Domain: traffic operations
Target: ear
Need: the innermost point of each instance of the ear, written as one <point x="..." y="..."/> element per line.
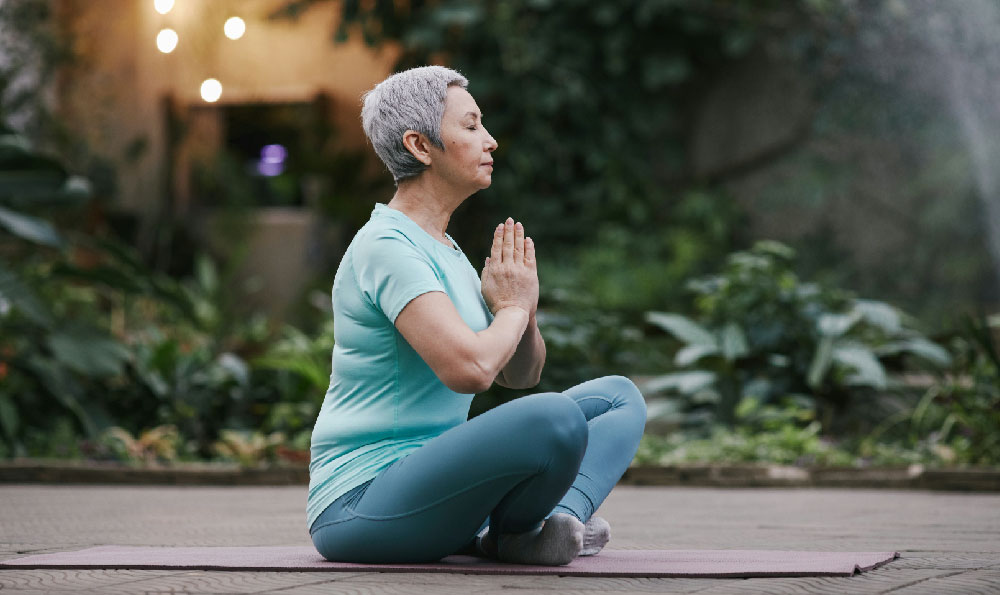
<point x="418" y="145"/>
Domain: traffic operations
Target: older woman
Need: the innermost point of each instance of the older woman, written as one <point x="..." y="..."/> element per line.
<point x="398" y="473"/>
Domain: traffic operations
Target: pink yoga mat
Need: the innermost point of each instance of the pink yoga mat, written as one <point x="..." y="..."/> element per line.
<point x="609" y="563"/>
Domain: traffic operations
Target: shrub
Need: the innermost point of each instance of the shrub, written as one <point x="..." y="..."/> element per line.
<point x="958" y="417"/>
<point x="759" y="332"/>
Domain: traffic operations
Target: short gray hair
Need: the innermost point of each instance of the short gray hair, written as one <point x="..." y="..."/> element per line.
<point x="409" y="100"/>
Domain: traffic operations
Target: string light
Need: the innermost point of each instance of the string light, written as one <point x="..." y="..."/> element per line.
<point x="234" y="28"/>
<point x="163" y="6"/>
<point x="166" y="40"/>
<point x="211" y="90"/>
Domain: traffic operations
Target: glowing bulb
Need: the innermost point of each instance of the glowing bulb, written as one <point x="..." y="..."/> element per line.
<point x="234" y="28"/>
<point x="163" y="6"/>
<point x="211" y="90"/>
<point x="166" y="40"/>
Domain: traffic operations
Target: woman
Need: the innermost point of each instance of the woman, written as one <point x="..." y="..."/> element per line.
<point x="398" y="474"/>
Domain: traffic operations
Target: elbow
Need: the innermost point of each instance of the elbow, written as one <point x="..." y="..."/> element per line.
<point x="470" y="377"/>
<point x="530" y="378"/>
<point x="523" y="383"/>
<point x="479" y="378"/>
<point x="470" y="382"/>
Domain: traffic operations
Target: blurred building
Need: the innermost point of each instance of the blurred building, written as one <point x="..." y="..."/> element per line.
<point x="202" y="104"/>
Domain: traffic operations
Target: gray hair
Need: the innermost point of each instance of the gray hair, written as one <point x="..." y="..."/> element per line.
<point x="408" y="100"/>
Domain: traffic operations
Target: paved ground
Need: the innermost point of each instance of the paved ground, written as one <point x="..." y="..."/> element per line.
<point x="950" y="542"/>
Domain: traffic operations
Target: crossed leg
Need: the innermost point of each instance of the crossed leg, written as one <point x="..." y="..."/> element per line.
<point x="510" y="467"/>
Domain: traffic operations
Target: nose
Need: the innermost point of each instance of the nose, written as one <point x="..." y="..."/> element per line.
<point x="491" y="143"/>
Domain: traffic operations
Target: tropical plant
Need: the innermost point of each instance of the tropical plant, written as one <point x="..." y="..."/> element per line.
<point x="81" y="320"/>
<point x="783" y="433"/>
<point x="47" y="352"/>
<point x="307" y="357"/>
<point x="191" y="385"/>
<point x="958" y="416"/>
<point x="248" y="448"/>
<point x="760" y="332"/>
<point x="297" y="366"/>
<point x="153" y="445"/>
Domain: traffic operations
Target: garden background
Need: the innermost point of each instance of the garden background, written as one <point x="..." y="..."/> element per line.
<point x="780" y="218"/>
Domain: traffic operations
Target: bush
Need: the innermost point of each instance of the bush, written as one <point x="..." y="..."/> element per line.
<point x="759" y="332"/>
<point x="958" y="417"/>
<point x="786" y="433"/>
<point x="93" y="340"/>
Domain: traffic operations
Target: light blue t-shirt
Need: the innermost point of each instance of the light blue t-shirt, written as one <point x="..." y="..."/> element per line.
<point x="384" y="401"/>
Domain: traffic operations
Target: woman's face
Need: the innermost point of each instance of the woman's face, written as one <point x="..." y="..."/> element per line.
<point x="467" y="158"/>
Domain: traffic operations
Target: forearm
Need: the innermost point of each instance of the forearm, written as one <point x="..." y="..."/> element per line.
<point x="498" y="342"/>
<point x="524" y="369"/>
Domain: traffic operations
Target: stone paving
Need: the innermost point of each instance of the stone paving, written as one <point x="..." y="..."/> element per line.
<point x="949" y="542"/>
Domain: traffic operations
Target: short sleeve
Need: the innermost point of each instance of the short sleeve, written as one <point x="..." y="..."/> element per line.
<point x="391" y="272"/>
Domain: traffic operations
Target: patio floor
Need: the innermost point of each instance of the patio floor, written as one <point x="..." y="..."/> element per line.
<point x="949" y="542"/>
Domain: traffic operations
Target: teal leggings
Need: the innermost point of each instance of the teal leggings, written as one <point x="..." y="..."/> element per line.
<point x="508" y="468"/>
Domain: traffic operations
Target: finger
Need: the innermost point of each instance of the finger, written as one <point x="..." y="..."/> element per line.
<point x="529" y="252"/>
<point x="508" y="240"/>
<point x="497" y="243"/>
<point x="518" y="243"/>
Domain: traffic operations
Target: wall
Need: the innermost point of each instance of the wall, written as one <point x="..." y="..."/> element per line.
<point x="114" y="99"/>
<point x="112" y="96"/>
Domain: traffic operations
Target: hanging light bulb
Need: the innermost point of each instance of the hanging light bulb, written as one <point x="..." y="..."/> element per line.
<point x="166" y="40"/>
<point x="234" y="28"/>
<point x="163" y="6"/>
<point x="211" y="90"/>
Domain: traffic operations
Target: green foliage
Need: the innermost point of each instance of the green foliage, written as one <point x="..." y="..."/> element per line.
<point x="785" y="433"/>
<point x="590" y="101"/>
<point x="189" y="385"/>
<point x="32" y="50"/>
<point x="629" y="272"/>
<point x="104" y="351"/>
<point x="759" y="332"/>
<point x="788" y="433"/>
<point x="47" y="353"/>
<point x="306" y="356"/>
<point x="213" y="379"/>
<point x="955" y="422"/>
<point x="583" y="343"/>
<point x="297" y="366"/>
<point x="958" y="416"/>
<point x="60" y="356"/>
<point x="583" y="340"/>
<point x="140" y="374"/>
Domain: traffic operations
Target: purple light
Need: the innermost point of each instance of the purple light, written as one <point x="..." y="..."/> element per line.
<point x="273" y="154"/>
<point x="268" y="168"/>
<point x="272" y="160"/>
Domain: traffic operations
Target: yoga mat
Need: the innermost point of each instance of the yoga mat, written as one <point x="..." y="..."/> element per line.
<point x="609" y="563"/>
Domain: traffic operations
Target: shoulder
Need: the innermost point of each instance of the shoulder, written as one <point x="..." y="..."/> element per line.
<point x="376" y="241"/>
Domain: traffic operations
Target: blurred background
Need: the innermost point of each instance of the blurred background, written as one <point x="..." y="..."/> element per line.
<point x="781" y="218"/>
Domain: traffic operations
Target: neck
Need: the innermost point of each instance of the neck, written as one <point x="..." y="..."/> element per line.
<point x="428" y="203"/>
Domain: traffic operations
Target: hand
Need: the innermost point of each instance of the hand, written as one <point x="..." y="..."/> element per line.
<point x="510" y="277"/>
